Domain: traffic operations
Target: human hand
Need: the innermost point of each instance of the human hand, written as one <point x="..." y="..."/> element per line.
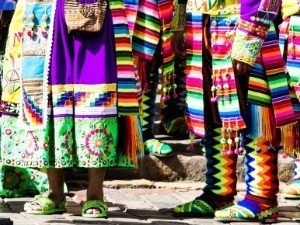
<point x="240" y="68"/>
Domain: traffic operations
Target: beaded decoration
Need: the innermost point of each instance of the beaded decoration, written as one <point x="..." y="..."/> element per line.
<point x="223" y="82"/>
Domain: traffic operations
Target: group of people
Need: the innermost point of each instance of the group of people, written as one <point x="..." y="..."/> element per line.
<point x="79" y="83"/>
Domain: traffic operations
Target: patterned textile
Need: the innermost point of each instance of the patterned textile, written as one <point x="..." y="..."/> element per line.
<point x="19" y="182"/>
<point x="261" y="160"/>
<point x="95" y="146"/>
<point x="127" y="79"/>
<point x="221" y="168"/>
<point x="194" y="79"/>
<point x="261" y="171"/>
<point x="251" y="208"/>
<point x="68" y="117"/>
<point x="131" y="7"/>
<point x="289" y="41"/>
<point x="259" y="91"/>
<point x="153" y="24"/>
<point x="175" y="106"/>
<point x="277" y="80"/>
<point x="223" y="89"/>
<point x="252" y="28"/>
<point x="147" y="29"/>
<point x="148" y="114"/>
<point x="222" y="29"/>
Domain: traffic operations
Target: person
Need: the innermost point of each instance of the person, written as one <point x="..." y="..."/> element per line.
<point x="148" y="59"/>
<point x="289" y="32"/>
<point x="16" y="181"/>
<point x="75" y="91"/>
<point x="238" y="110"/>
<point x="173" y="109"/>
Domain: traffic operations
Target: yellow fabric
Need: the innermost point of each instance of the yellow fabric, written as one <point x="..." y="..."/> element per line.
<point x="245" y="48"/>
<point x="12" y="63"/>
<point x="214" y="7"/>
<point x="290" y="7"/>
<point x="179" y="18"/>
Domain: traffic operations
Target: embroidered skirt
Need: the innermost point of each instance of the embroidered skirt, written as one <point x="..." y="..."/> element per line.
<point x="60" y="93"/>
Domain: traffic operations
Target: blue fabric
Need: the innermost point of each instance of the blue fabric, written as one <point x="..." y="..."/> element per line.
<point x="252" y="206"/>
<point x="38" y="10"/>
<point x="33" y="67"/>
<point x="7" y="5"/>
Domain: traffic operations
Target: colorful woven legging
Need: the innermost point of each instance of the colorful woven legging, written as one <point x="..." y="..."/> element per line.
<point x="221" y="169"/>
<point x="261" y="144"/>
<point x="175" y="106"/>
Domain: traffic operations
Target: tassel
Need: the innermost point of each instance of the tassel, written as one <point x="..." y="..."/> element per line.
<point x="269" y="126"/>
<point x="263" y="127"/>
<point x="290" y="139"/>
<point x="133" y="142"/>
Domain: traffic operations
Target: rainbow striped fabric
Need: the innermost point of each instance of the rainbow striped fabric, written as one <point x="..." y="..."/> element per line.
<point x="228" y="103"/>
<point x="290" y="44"/>
<point x="131" y="7"/>
<point x="259" y="91"/>
<point x="194" y="79"/>
<point x="128" y="100"/>
<point x="147" y="29"/>
<point x="277" y="79"/>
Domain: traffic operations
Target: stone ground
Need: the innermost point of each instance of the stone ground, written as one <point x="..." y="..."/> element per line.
<point x="137" y="205"/>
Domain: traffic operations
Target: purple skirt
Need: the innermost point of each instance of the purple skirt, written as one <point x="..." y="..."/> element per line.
<point x="82" y="59"/>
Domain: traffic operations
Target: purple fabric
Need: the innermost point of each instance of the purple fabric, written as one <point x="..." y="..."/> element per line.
<point x="250" y="8"/>
<point x="87" y="1"/>
<point x="82" y="59"/>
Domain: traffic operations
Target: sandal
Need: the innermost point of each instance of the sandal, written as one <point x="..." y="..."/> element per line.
<point x="238" y="213"/>
<point x="95" y="204"/>
<point x="292" y="191"/>
<point x="47" y="205"/>
<point x="157" y="148"/>
<point x="196" y="208"/>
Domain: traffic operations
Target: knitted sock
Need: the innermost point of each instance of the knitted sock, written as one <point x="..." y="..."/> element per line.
<point x="261" y="171"/>
<point x="148" y="114"/>
<point x="262" y="185"/>
<point x="173" y="120"/>
<point x="221" y="168"/>
<point x="220" y="180"/>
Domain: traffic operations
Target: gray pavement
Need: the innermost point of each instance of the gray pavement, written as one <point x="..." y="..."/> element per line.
<point x="135" y="206"/>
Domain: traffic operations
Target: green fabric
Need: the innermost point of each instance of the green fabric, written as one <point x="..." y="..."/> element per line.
<point x="65" y="142"/>
<point x="95" y="204"/>
<point x="19" y="182"/>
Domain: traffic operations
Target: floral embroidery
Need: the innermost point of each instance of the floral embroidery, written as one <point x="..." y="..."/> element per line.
<point x="98" y="141"/>
<point x="95" y="146"/>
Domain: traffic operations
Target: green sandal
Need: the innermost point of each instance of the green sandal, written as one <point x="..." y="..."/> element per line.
<point x="95" y="204"/>
<point x="47" y="205"/>
<point x="196" y="208"/>
<point x="157" y="148"/>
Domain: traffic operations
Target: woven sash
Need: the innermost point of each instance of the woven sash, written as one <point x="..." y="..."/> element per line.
<point x="127" y="80"/>
<point x="146" y="32"/>
<point x="194" y="79"/>
<point x="290" y="44"/>
<point x="277" y="79"/>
